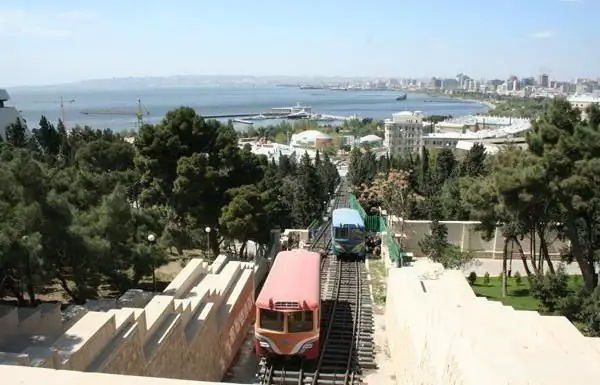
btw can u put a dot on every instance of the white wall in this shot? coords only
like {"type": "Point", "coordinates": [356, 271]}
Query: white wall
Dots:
{"type": "Point", "coordinates": [465, 236]}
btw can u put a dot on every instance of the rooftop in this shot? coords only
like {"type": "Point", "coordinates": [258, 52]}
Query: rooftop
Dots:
{"type": "Point", "coordinates": [370, 138]}
{"type": "Point", "coordinates": [294, 276]}
{"type": "Point", "coordinates": [584, 98]}
{"type": "Point", "coordinates": [504, 127]}
{"type": "Point", "coordinates": [311, 135]}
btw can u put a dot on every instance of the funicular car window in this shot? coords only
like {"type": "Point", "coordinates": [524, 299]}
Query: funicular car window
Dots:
{"type": "Point", "coordinates": [300, 321]}
{"type": "Point", "coordinates": [341, 232]}
{"type": "Point", "coordinates": [356, 233]}
{"type": "Point", "coordinates": [271, 320]}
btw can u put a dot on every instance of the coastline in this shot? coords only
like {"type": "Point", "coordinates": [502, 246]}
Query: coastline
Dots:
{"type": "Point", "coordinates": [488, 104]}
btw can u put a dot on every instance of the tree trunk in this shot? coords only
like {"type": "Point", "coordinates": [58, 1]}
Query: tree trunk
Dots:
{"type": "Point", "coordinates": [544, 251]}
{"type": "Point", "coordinates": [29, 283]}
{"type": "Point", "coordinates": [65, 285]}
{"type": "Point", "coordinates": [532, 252]}
{"type": "Point", "coordinates": [504, 258]}
{"type": "Point", "coordinates": [582, 256]}
{"type": "Point", "coordinates": [523, 258]}
{"type": "Point", "coordinates": [242, 248]}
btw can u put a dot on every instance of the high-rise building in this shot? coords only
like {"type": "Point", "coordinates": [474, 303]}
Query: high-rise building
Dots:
{"type": "Point", "coordinates": [544, 81]}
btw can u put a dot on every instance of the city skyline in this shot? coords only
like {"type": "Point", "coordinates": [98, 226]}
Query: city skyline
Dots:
{"type": "Point", "coordinates": [67, 41]}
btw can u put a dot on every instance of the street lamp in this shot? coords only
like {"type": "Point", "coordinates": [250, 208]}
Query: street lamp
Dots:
{"type": "Point", "coordinates": [207, 230]}
{"type": "Point", "coordinates": [151, 240]}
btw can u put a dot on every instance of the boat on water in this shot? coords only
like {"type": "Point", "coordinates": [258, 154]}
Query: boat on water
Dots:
{"type": "Point", "coordinates": [310, 87]}
{"type": "Point", "coordinates": [338, 88]}
{"type": "Point", "coordinates": [401, 97]}
{"type": "Point", "coordinates": [258, 117]}
{"type": "Point", "coordinates": [291, 110]}
{"type": "Point", "coordinates": [302, 114]}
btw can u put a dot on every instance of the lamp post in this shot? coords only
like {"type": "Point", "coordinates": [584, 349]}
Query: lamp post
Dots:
{"type": "Point", "coordinates": [207, 230]}
{"type": "Point", "coordinates": [151, 240]}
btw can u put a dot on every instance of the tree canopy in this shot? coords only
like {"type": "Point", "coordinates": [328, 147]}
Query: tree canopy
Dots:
{"type": "Point", "coordinates": [88, 211]}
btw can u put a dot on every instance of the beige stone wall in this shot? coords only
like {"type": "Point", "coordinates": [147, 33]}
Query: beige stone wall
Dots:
{"type": "Point", "coordinates": [440, 333]}
{"type": "Point", "coordinates": [465, 236]}
{"type": "Point", "coordinates": [191, 331]}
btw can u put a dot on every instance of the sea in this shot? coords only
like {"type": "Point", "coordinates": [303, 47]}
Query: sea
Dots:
{"type": "Point", "coordinates": [218, 100]}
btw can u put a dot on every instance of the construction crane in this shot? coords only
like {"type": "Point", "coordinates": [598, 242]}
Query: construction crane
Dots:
{"type": "Point", "coordinates": [139, 113]}
{"type": "Point", "coordinates": [61, 103]}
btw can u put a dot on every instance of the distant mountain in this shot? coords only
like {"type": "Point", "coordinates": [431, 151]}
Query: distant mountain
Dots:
{"type": "Point", "coordinates": [184, 81]}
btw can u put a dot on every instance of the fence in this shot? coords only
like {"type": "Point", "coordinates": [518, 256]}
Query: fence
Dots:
{"type": "Point", "coordinates": [377, 223]}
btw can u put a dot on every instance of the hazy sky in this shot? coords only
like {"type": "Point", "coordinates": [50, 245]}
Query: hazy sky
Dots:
{"type": "Point", "coordinates": [48, 42]}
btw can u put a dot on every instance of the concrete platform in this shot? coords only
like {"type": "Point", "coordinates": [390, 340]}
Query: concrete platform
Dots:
{"type": "Point", "coordinates": [439, 332]}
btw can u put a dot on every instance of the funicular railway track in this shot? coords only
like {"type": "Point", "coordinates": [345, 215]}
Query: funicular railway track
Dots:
{"type": "Point", "coordinates": [346, 323]}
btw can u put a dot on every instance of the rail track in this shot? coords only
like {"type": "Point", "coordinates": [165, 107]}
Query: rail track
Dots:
{"type": "Point", "coordinates": [346, 323]}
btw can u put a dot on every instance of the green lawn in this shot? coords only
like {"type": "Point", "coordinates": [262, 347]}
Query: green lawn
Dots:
{"type": "Point", "coordinates": [518, 296]}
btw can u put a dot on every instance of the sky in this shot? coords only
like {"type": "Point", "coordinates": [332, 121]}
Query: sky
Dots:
{"type": "Point", "coordinates": [51, 42]}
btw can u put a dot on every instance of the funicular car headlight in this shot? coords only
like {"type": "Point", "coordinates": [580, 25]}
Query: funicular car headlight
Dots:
{"type": "Point", "coordinates": [263, 344]}
{"type": "Point", "coordinates": [306, 346]}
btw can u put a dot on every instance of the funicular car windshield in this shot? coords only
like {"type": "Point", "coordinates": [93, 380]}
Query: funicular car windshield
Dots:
{"type": "Point", "coordinates": [272, 320]}
{"type": "Point", "coordinates": [341, 232]}
{"type": "Point", "coordinates": [356, 233]}
{"type": "Point", "coordinates": [348, 232]}
{"type": "Point", "coordinates": [300, 321]}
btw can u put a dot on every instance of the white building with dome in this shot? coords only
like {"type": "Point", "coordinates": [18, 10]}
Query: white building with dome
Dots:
{"type": "Point", "coordinates": [311, 139]}
{"type": "Point", "coordinates": [371, 141]}
{"type": "Point", "coordinates": [404, 132]}
{"type": "Point", "coordinates": [8, 115]}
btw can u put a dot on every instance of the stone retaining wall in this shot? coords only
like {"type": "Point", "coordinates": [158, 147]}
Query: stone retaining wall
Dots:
{"type": "Point", "coordinates": [190, 331]}
{"type": "Point", "coordinates": [440, 333]}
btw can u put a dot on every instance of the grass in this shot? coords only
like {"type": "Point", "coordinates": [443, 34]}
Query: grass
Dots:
{"type": "Point", "coordinates": [517, 296]}
{"type": "Point", "coordinates": [378, 280]}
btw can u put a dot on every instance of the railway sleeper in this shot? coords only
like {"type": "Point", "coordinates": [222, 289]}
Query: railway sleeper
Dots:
{"type": "Point", "coordinates": [364, 355]}
{"type": "Point", "coordinates": [339, 350]}
{"type": "Point", "coordinates": [342, 333]}
{"type": "Point", "coordinates": [331, 375]}
{"type": "Point", "coordinates": [366, 347]}
{"type": "Point", "coordinates": [336, 381]}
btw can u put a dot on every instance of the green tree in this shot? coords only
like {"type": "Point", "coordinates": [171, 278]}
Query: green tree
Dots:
{"type": "Point", "coordinates": [245, 218]}
{"type": "Point", "coordinates": [308, 195]}
{"type": "Point", "coordinates": [473, 164]}
{"type": "Point", "coordinates": [568, 148]}
{"type": "Point", "coordinates": [48, 138]}
{"type": "Point", "coordinates": [16, 133]}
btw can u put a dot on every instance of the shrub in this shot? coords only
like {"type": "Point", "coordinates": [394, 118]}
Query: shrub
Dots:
{"type": "Point", "coordinates": [486, 278]}
{"type": "Point", "coordinates": [549, 289]}
{"type": "Point", "coordinates": [472, 278]}
{"type": "Point", "coordinates": [518, 278]}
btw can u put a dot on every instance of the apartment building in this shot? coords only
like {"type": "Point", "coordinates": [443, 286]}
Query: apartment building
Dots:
{"type": "Point", "coordinates": [8, 115]}
{"type": "Point", "coordinates": [404, 132]}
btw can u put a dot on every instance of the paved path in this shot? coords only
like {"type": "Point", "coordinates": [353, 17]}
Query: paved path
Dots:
{"type": "Point", "coordinates": [494, 267]}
